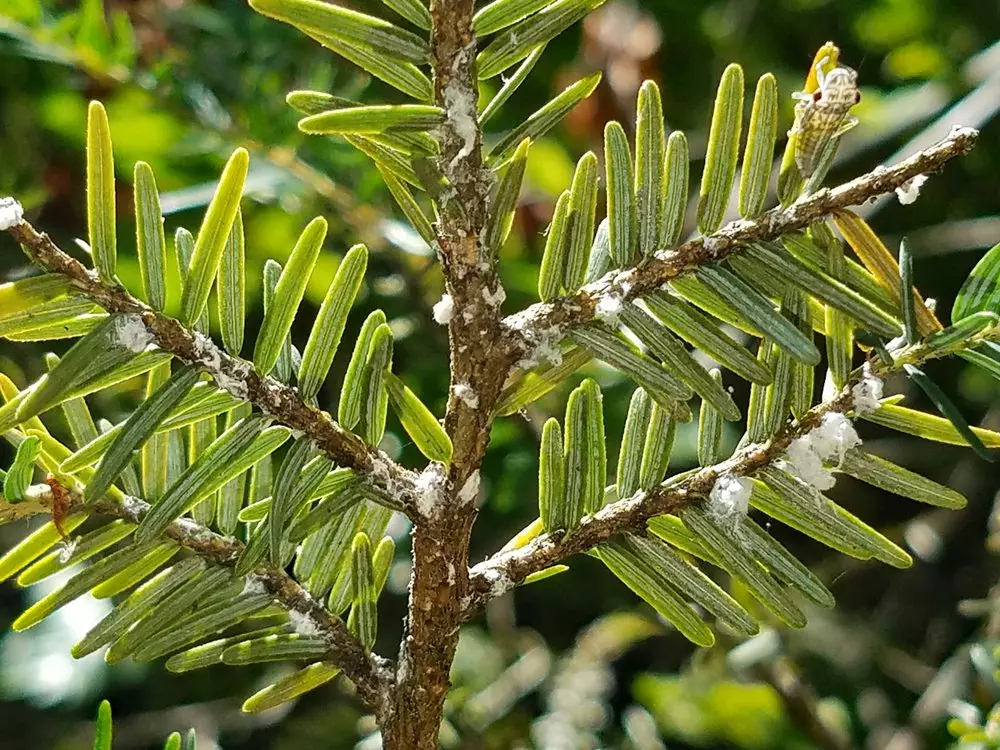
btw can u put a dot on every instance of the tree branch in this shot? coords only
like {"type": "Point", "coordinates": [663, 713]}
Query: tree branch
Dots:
{"type": "Point", "coordinates": [505, 570]}
{"type": "Point", "coordinates": [231, 373]}
{"type": "Point", "coordinates": [548, 322]}
{"type": "Point", "coordinates": [800, 703]}
{"type": "Point", "coordinates": [368, 672]}
{"type": "Point", "coordinates": [479, 363]}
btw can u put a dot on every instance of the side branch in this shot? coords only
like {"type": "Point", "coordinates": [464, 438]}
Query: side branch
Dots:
{"type": "Point", "coordinates": [231, 373]}
{"type": "Point", "coordinates": [506, 570]}
{"type": "Point", "coordinates": [367, 671]}
{"type": "Point", "coordinates": [540, 321]}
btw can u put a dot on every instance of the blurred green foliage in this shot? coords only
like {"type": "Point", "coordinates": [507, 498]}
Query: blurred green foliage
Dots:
{"type": "Point", "coordinates": [186, 81]}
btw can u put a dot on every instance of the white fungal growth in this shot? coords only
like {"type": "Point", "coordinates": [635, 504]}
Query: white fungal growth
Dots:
{"type": "Point", "coordinates": [713, 244]}
{"type": "Point", "coordinates": [429, 489]}
{"type": "Point", "coordinates": [494, 299]}
{"type": "Point", "coordinates": [470, 490]}
{"type": "Point", "coordinates": [444, 310]}
{"type": "Point", "coordinates": [909, 191]}
{"type": "Point", "coordinates": [304, 623]}
{"type": "Point", "coordinates": [460, 108]}
{"type": "Point", "coordinates": [131, 333]}
{"type": "Point", "coordinates": [11, 213]}
{"type": "Point", "coordinates": [132, 506]}
{"type": "Point", "coordinates": [867, 393]}
{"type": "Point", "coordinates": [464, 392]}
{"type": "Point", "coordinates": [210, 356]}
{"type": "Point", "coordinates": [729, 500]}
{"type": "Point", "coordinates": [609, 307]}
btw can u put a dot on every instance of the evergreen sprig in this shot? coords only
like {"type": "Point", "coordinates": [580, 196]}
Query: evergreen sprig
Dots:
{"type": "Point", "coordinates": [625, 290]}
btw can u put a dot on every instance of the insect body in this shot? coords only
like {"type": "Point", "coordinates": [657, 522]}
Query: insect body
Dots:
{"type": "Point", "coordinates": [823, 115]}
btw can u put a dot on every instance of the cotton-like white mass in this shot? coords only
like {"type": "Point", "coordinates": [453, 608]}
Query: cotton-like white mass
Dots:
{"type": "Point", "coordinates": [131, 333]}
{"type": "Point", "coordinates": [429, 489]}
{"type": "Point", "coordinates": [729, 500]}
{"type": "Point", "coordinates": [465, 394]}
{"type": "Point", "coordinates": [867, 393]}
{"type": "Point", "coordinates": [460, 105]}
{"type": "Point", "coordinates": [444, 310]}
{"type": "Point", "coordinates": [609, 307]}
{"type": "Point", "coordinates": [825, 443]}
{"type": "Point", "coordinates": [11, 213]}
{"type": "Point", "coordinates": [834, 436]}
{"type": "Point", "coordinates": [909, 191]}
{"type": "Point", "coordinates": [805, 463]}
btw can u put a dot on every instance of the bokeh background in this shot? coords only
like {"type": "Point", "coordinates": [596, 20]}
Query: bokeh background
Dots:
{"type": "Point", "coordinates": [575, 661]}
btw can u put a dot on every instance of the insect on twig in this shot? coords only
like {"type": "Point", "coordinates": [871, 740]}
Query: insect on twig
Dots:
{"type": "Point", "coordinates": [61, 503]}
{"type": "Point", "coordinates": [823, 115]}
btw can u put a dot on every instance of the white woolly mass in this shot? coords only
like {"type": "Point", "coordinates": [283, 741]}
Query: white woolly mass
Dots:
{"type": "Point", "coordinates": [545, 347]}
{"type": "Point", "coordinates": [713, 244]}
{"type": "Point", "coordinates": [830, 440]}
{"type": "Point", "coordinates": [470, 490]}
{"type": "Point", "coordinates": [304, 623]}
{"type": "Point", "coordinates": [494, 299]}
{"type": "Point", "coordinates": [909, 191]}
{"type": "Point", "coordinates": [210, 356]}
{"type": "Point", "coordinates": [429, 487]}
{"type": "Point", "coordinates": [132, 506]}
{"type": "Point", "coordinates": [609, 307]}
{"type": "Point", "coordinates": [67, 550]}
{"type": "Point", "coordinates": [444, 310]}
{"type": "Point", "coordinates": [834, 436]}
{"type": "Point", "coordinates": [235, 386]}
{"type": "Point", "coordinates": [803, 461]}
{"type": "Point", "coordinates": [729, 500]}
{"type": "Point", "coordinates": [131, 333]}
{"type": "Point", "coordinates": [500, 582]}
{"type": "Point", "coordinates": [253, 585]}
{"type": "Point", "coordinates": [464, 392]}
{"type": "Point", "coordinates": [867, 393]}
{"type": "Point", "coordinates": [460, 106]}
{"type": "Point", "coordinates": [11, 213]}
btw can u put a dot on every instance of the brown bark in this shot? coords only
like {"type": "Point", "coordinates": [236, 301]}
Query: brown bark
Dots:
{"type": "Point", "coordinates": [369, 673]}
{"type": "Point", "coordinates": [478, 368]}
{"type": "Point", "coordinates": [265, 393]}
{"type": "Point", "coordinates": [628, 284]}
